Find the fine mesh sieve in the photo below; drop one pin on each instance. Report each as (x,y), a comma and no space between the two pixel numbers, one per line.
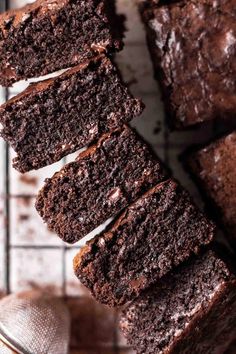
(34,323)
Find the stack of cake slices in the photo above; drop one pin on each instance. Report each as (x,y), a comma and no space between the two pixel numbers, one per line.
(58,116)
(153,258)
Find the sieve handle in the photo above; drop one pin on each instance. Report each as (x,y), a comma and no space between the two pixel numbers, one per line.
(9,344)
(4,345)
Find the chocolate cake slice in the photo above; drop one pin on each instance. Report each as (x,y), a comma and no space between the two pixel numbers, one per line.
(100,183)
(192,310)
(214,169)
(154,235)
(193,48)
(49,35)
(53,118)
(232,348)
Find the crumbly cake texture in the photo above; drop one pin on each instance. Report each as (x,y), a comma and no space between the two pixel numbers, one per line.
(50,35)
(193,310)
(53,118)
(193,48)
(214,169)
(154,235)
(99,184)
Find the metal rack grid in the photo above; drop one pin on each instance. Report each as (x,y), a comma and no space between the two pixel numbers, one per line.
(4,6)
(34,257)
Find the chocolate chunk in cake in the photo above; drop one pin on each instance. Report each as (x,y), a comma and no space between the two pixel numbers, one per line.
(193,48)
(50,35)
(192,310)
(53,118)
(154,235)
(214,168)
(99,184)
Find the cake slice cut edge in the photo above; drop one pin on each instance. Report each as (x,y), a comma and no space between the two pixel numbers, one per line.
(56,117)
(192,310)
(64,34)
(102,181)
(152,236)
(212,168)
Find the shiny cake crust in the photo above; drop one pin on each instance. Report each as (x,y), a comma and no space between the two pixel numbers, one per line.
(193,47)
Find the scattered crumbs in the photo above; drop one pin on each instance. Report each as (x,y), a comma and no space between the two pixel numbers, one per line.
(28,180)
(25,201)
(23,217)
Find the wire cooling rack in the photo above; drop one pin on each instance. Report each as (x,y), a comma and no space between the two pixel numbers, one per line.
(33,257)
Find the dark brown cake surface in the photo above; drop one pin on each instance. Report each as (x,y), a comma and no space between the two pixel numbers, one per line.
(193,47)
(232,348)
(192,310)
(215,169)
(99,184)
(56,117)
(154,235)
(49,35)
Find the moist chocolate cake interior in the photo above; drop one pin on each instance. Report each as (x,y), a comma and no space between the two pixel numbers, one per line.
(155,234)
(56,117)
(47,36)
(102,181)
(163,319)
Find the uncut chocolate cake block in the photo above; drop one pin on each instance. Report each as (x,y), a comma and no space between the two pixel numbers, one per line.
(214,169)
(49,35)
(102,181)
(193,48)
(192,310)
(55,117)
(153,235)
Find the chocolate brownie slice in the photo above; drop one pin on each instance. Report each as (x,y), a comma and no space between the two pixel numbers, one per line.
(49,35)
(232,348)
(53,118)
(214,168)
(192,310)
(193,48)
(154,235)
(100,183)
